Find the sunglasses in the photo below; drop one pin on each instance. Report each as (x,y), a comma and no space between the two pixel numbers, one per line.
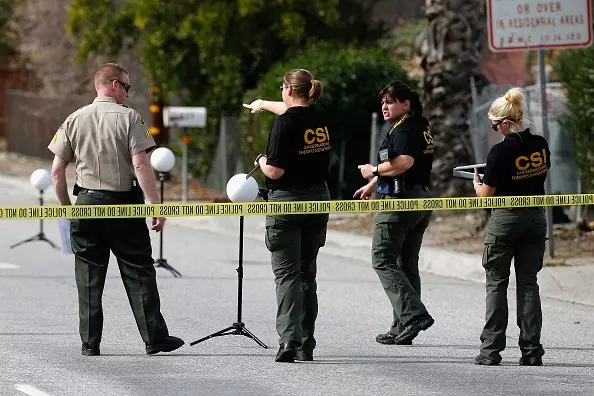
(494,126)
(123,84)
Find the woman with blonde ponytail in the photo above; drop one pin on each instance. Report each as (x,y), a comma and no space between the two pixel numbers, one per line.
(296,166)
(517,166)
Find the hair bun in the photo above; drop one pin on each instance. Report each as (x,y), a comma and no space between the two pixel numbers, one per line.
(515,97)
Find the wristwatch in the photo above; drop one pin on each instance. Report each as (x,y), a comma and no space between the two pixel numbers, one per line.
(375,171)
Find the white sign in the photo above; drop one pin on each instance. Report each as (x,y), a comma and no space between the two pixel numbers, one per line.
(519,25)
(177,116)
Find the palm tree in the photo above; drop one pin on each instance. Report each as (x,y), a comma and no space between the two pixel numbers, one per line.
(450,49)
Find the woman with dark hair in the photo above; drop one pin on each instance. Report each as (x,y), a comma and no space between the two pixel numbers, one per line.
(296,167)
(405,159)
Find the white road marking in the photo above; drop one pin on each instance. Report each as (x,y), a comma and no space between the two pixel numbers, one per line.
(30,390)
(9,266)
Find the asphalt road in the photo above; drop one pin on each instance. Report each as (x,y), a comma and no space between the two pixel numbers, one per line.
(40,345)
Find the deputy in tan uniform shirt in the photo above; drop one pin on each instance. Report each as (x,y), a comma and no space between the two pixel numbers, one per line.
(108,144)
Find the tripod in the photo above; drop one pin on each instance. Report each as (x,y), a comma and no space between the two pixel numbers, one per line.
(161,262)
(237,328)
(40,236)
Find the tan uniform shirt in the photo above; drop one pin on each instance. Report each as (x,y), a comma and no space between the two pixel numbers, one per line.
(101,139)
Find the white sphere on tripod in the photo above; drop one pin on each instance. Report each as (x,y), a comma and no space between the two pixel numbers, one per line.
(41,179)
(240,189)
(162,159)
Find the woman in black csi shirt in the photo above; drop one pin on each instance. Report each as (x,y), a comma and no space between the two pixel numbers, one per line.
(517,166)
(404,166)
(296,167)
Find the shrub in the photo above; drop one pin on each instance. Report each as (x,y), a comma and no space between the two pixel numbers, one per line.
(574,69)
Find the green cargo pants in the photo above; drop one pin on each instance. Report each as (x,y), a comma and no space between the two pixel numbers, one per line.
(397,239)
(128,239)
(294,242)
(519,234)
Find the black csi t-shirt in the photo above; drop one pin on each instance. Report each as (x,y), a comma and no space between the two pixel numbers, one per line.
(299,143)
(518,165)
(411,137)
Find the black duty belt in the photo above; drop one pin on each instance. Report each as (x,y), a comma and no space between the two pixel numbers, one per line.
(409,188)
(105,192)
(298,188)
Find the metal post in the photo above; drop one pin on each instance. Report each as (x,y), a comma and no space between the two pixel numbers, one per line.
(341,168)
(223,166)
(373,138)
(545,132)
(184,172)
(578,216)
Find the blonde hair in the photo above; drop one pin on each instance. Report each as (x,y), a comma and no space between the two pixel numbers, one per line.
(511,107)
(304,84)
(108,72)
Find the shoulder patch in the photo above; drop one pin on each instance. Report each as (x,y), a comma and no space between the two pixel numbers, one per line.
(60,129)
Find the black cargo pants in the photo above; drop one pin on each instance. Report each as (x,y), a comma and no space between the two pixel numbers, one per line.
(517,234)
(294,242)
(397,239)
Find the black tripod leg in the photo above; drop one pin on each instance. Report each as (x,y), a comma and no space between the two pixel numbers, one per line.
(32,239)
(249,334)
(163,263)
(217,334)
(43,238)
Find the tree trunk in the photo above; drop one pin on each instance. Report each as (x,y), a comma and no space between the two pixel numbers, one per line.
(450,49)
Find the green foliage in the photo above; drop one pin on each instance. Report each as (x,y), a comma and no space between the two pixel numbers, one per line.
(208,53)
(6,36)
(575,69)
(352,78)
(401,39)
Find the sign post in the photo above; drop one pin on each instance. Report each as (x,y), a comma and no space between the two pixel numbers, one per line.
(184,117)
(521,25)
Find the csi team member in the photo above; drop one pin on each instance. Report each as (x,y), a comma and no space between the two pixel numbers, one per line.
(296,167)
(516,166)
(108,144)
(404,165)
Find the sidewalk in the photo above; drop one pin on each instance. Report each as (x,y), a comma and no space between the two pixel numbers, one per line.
(570,282)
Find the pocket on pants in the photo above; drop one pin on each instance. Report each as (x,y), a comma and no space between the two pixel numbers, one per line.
(271,239)
(272,234)
(489,251)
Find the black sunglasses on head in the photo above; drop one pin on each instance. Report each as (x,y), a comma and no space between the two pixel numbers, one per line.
(494,126)
(123,84)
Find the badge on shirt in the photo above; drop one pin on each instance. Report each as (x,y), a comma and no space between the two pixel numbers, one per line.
(142,123)
(383,155)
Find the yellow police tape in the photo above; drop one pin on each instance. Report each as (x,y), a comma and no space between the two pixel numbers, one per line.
(281,208)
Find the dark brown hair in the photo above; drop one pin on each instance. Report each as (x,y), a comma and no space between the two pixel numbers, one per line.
(399,91)
(304,84)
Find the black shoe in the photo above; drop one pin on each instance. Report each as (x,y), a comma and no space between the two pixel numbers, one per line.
(482,360)
(167,344)
(304,356)
(286,352)
(90,350)
(389,339)
(530,361)
(420,323)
